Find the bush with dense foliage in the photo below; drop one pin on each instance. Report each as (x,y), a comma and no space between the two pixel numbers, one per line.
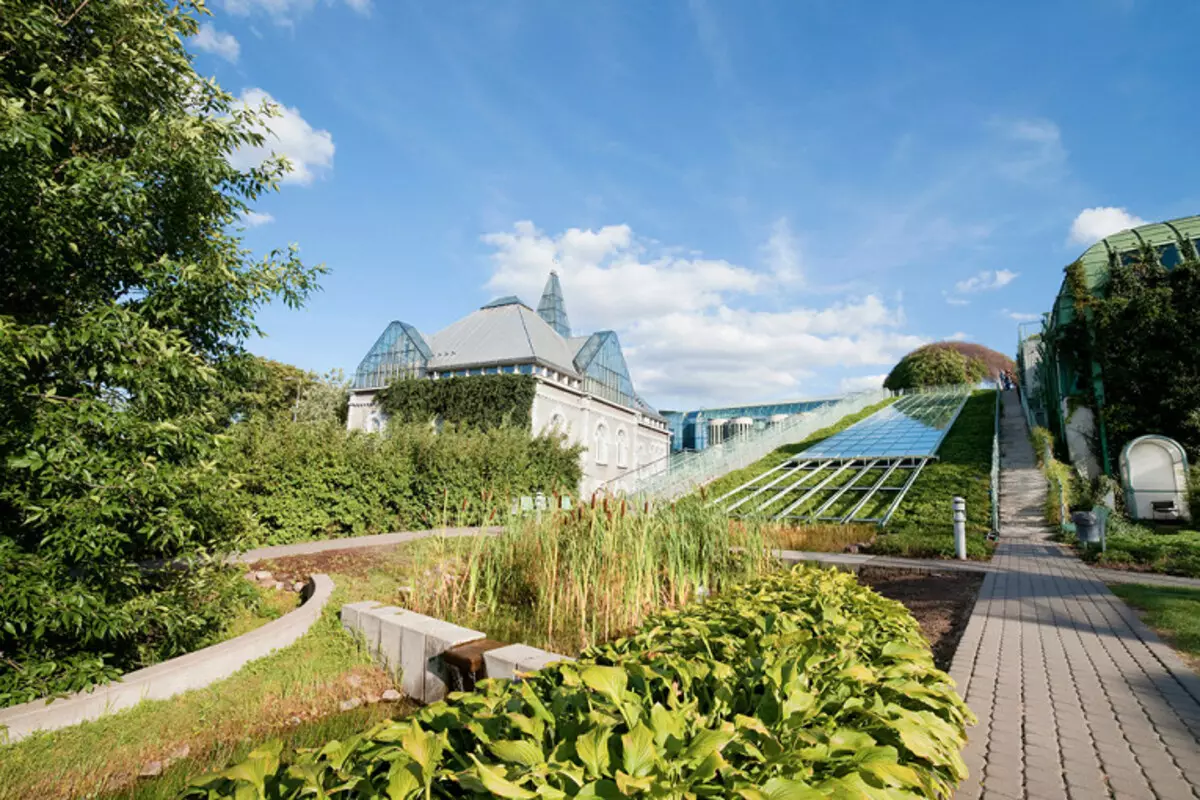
(125,298)
(947,364)
(318,480)
(801,685)
(481,401)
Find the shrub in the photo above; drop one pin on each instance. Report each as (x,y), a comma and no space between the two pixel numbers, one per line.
(801,685)
(315,481)
(946,364)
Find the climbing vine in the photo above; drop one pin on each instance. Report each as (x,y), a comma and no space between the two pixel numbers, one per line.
(477,401)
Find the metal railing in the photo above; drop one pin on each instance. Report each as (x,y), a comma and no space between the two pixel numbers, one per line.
(681,473)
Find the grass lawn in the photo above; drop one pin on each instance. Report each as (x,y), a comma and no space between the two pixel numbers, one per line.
(1142,548)
(1174,613)
(922,526)
(292,694)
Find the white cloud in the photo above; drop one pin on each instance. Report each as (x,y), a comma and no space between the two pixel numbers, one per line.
(252,219)
(285,11)
(1019,316)
(219,43)
(862,383)
(1033,151)
(955,301)
(985,281)
(289,134)
(1093,224)
(687,323)
(782,253)
(958,336)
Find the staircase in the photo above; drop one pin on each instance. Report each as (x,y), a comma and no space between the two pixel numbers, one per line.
(1022,484)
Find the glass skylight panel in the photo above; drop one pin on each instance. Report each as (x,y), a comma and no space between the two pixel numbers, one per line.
(913,426)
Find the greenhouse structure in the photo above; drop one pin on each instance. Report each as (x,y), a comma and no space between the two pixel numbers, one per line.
(1059,390)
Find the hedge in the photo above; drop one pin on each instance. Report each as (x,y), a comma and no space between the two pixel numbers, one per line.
(301,482)
(802,685)
(479,401)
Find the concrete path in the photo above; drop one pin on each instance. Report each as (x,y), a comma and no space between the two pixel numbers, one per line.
(1076,698)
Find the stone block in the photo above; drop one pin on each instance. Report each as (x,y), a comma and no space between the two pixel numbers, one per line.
(423,639)
(352,613)
(508,662)
(370,622)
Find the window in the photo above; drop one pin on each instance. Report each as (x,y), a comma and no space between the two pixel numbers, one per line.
(1168,256)
(374,424)
(526,369)
(622,450)
(601,444)
(558,423)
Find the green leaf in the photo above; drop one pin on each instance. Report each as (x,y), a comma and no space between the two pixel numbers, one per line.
(608,681)
(638,753)
(518,751)
(592,749)
(787,789)
(495,782)
(402,784)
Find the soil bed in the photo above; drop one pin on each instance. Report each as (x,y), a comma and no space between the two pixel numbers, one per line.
(940,601)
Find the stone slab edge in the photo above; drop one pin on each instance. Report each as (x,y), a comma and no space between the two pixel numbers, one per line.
(191,671)
(354,542)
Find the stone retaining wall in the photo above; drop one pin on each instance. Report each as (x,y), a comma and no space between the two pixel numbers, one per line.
(192,671)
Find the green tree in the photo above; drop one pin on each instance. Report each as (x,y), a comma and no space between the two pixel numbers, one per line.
(125,299)
(934,366)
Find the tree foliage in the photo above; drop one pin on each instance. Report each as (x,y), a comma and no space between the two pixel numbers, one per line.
(125,298)
(945,364)
(1146,336)
(480,401)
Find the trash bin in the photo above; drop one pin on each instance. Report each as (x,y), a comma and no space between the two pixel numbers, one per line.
(1087,527)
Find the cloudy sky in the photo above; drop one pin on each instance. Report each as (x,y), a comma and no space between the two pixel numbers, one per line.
(764,199)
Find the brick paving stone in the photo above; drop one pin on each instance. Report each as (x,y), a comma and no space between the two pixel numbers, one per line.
(1077,698)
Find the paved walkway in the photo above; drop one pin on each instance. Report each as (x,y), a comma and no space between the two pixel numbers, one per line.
(1076,698)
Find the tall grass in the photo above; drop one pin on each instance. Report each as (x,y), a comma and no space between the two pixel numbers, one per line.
(571,579)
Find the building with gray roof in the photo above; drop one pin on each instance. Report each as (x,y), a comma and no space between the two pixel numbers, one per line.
(583,384)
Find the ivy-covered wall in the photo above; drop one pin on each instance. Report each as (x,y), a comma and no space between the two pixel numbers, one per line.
(477,401)
(1140,337)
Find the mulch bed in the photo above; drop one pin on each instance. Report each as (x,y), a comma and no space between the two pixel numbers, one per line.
(940,601)
(356,562)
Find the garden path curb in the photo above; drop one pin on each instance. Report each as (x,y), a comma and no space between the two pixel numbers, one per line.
(191,671)
(354,542)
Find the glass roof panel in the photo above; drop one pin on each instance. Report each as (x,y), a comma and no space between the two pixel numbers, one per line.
(912,426)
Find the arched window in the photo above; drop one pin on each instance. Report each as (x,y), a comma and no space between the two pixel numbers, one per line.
(601,444)
(558,423)
(374,424)
(622,450)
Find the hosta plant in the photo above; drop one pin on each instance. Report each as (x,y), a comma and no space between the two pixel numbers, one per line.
(801,685)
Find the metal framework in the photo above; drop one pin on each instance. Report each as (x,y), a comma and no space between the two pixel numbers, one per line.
(859,475)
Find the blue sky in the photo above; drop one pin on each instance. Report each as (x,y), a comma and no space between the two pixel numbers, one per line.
(764,199)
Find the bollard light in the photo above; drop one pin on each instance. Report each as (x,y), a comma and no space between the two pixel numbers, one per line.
(960,528)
